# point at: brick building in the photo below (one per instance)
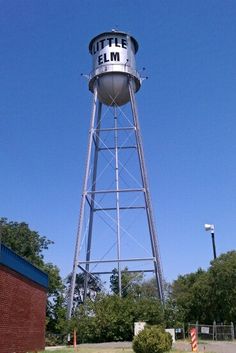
(23, 294)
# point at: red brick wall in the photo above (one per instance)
(22, 313)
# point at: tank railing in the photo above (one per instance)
(122, 68)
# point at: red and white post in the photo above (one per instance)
(193, 335)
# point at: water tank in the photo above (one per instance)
(113, 66)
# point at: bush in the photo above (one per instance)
(152, 339)
(111, 318)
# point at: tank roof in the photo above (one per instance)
(112, 33)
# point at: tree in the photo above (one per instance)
(222, 282)
(188, 297)
(25, 242)
(148, 288)
(56, 304)
(94, 287)
(111, 318)
(130, 282)
(206, 296)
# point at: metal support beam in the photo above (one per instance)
(153, 235)
(121, 208)
(82, 207)
(119, 260)
(114, 191)
(117, 199)
(94, 176)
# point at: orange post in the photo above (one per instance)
(193, 334)
(74, 341)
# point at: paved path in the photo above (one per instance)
(214, 347)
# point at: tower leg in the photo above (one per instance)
(82, 207)
(117, 199)
(151, 224)
(91, 215)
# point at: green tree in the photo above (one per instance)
(189, 297)
(148, 288)
(94, 286)
(25, 242)
(130, 282)
(56, 304)
(206, 295)
(111, 318)
(222, 283)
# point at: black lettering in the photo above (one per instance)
(124, 43)
(116, 42)
(94, 50)
(110, 41)
(102, 43)
(105, 58)
(100, 60)
(97, 46)
(115, 56)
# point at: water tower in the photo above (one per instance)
(116, 225)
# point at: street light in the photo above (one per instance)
(212, 229)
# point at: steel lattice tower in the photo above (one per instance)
(116, 224)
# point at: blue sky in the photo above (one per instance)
(187, 111)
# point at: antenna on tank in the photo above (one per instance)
(85, 76)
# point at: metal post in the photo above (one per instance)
(117, 198)
(83, 200)
(94, 176)
(213, 244)
(214, 331)
(232, 331)
(152, 230)
(211, 227)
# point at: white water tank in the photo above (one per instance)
(113, 66)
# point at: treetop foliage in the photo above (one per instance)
(130, 282)
(206, 296)
(25, 242)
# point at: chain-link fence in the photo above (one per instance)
(217, 332)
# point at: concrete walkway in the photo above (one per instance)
(208, 346)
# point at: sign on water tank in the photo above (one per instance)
(109, 49)
(112, 42)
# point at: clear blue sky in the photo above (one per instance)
(187, 112)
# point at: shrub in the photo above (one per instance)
(152, 339)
